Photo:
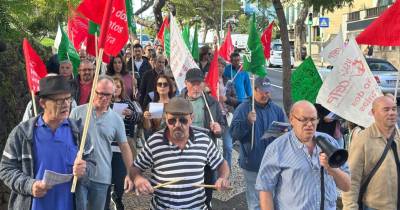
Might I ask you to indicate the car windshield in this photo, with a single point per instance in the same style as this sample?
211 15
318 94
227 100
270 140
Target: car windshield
381 66
277 47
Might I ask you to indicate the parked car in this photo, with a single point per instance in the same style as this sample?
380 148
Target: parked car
276 56
384 72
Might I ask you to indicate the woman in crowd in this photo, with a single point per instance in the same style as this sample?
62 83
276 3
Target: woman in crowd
163 92
117 67
131 117
205 59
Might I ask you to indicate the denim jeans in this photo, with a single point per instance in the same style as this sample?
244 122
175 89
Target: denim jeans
117 179
253 201
227 145
90 195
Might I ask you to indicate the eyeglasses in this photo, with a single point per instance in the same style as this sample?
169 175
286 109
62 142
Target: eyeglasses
60 101
182 120
305 121
101 94
162 84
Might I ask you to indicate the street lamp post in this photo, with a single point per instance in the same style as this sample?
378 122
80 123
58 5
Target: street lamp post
222 16
309 23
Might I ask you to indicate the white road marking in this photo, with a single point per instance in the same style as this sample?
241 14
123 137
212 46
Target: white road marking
276 86
277 70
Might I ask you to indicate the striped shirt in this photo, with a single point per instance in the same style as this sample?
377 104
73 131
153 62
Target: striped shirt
168 162
293 175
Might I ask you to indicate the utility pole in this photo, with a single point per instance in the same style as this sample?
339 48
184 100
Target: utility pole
309 23
222 16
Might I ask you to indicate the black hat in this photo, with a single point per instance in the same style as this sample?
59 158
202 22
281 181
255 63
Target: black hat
178 105
51 85
194 75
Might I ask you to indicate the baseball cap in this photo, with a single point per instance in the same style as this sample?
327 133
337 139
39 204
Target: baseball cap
178 105
263 84
194 75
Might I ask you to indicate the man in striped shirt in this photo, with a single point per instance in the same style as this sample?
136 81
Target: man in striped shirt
178 153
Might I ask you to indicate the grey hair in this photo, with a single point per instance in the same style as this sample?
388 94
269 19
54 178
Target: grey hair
65 61
108 78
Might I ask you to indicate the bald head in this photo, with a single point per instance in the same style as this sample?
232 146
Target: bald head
304 120
300 105
382 100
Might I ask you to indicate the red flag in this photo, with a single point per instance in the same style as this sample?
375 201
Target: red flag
160 35
385 30
92 9
227 47
266 40
114 32
35 68
77 30
91 48
213 75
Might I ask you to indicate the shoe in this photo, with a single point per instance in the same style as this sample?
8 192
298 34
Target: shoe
117 203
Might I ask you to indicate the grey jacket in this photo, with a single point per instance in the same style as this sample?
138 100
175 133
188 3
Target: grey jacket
17 166
216 112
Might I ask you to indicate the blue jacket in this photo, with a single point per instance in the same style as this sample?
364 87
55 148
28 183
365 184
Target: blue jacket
250 159
242 82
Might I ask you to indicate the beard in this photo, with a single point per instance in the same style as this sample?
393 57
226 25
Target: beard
178 133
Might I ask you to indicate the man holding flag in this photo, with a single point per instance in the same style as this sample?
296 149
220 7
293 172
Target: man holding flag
49 141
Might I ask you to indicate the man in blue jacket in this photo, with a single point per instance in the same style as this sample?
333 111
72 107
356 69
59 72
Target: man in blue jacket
240 78
265 113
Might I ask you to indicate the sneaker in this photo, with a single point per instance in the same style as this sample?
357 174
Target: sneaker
117 203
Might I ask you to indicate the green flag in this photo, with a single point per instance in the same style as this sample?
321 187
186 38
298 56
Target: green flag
195 45
129 15
94 28
186 36
166 41
305 82
66 51
254 60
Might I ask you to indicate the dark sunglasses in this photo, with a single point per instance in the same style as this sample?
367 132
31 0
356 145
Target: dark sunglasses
162 84
182 120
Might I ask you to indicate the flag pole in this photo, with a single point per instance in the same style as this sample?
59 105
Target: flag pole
34 103
88 114
133 69
208 108
253 110
397 86
95 44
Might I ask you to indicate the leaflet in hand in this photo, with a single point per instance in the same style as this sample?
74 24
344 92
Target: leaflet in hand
276 129
119 108
156 110
52 178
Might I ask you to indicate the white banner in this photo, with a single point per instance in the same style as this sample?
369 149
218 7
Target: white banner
334 49
180 57
351 88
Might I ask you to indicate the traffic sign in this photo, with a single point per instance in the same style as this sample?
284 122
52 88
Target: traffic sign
324 22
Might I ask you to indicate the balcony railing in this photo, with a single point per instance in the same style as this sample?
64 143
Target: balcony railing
353 16
374 12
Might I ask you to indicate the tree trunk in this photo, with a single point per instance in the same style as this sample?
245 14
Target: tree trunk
147 4
205 33
299 32
158 5
144 22
287 96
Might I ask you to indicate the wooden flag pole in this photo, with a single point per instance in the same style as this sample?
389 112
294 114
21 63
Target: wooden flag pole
34 103
95 44
208 108
252 109
167 183
88 113
133 69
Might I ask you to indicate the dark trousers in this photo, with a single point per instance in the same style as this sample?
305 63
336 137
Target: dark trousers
209 178
117 179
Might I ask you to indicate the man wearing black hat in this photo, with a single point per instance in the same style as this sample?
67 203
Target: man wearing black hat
250 156
207 114
49 141
178 153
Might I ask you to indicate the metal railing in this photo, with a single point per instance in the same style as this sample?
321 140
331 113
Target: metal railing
353 16
374 12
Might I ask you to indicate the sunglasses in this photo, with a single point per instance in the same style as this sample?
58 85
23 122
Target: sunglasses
162 84
182 120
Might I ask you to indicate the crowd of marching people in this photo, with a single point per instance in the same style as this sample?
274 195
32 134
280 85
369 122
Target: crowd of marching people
179 146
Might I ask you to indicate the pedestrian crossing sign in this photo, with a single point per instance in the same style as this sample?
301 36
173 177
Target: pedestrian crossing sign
323 22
